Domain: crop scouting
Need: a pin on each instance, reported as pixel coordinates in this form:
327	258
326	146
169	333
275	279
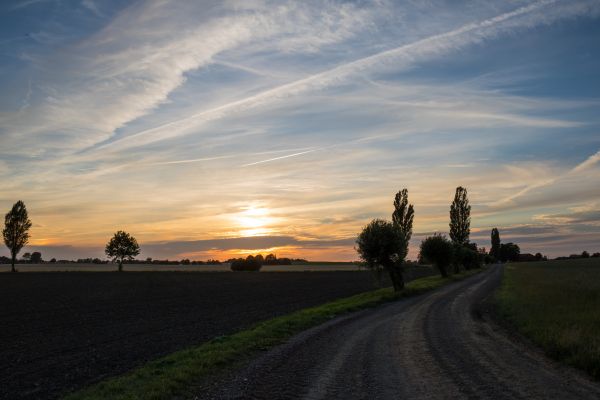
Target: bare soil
62	331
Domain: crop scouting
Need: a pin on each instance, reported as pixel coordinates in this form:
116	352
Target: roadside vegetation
176	374
383	245
557	305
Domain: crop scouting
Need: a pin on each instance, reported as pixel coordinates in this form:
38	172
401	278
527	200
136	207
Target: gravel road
435	346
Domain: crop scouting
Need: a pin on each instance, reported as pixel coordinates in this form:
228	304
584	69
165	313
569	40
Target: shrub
249	264
470	259
438	250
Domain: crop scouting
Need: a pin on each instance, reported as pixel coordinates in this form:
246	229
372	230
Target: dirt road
433	346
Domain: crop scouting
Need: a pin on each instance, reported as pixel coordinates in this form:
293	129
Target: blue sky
208	129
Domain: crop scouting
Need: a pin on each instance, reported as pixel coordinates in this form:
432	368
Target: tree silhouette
36	257
16	230
495	250
122	246
380	245
439	251
402	218
460	217
509	252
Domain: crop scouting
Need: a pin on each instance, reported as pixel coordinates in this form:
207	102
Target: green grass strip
174	374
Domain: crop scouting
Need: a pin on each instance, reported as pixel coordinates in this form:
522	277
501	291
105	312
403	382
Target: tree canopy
380	244
402	218
122	246
460	217
438	250
16	230
495	250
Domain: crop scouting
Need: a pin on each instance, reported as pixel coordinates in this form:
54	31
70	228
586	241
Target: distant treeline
36	258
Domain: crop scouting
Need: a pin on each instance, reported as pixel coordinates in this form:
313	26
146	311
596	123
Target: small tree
439	251
585	254
16	230
122	247
380	246
460	217
495	250
36	257
509	252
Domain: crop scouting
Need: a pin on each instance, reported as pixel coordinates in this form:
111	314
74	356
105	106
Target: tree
509	252
380	245
27	257
122	246
495	250
251	263
460	217
585	254
16	230
36	257
438	250
402	218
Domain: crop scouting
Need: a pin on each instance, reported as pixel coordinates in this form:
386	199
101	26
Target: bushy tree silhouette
438	250
16	230
380	245
122	246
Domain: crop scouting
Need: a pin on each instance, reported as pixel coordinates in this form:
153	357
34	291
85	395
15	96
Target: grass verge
172	375
556	304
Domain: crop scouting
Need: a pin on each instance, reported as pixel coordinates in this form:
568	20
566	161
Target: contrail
403	56
584	165
280	158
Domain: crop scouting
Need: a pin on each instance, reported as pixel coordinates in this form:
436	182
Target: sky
217	129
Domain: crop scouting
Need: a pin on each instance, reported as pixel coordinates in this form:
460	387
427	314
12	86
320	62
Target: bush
249	264
470	259
438	250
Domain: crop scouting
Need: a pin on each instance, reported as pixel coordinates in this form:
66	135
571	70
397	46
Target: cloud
130	67
91	5
401	57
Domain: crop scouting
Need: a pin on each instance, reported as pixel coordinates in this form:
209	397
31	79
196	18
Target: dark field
63	331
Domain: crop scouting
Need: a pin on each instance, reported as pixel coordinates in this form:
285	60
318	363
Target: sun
253	221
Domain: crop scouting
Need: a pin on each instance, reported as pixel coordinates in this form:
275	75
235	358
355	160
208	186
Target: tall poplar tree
495	250
460	217
402	218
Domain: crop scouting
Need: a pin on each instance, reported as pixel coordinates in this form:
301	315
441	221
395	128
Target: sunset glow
217	129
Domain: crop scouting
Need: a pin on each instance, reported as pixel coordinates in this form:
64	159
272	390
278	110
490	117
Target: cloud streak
402	57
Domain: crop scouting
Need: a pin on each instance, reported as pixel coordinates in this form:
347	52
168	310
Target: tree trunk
13	263
120	265
457	268
396	277
443	271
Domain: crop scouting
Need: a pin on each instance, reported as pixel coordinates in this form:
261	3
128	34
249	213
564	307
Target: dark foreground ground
63	331
440	345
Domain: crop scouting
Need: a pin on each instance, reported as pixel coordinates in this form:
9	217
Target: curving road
433	346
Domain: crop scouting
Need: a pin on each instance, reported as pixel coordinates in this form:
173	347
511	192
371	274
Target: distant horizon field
224	267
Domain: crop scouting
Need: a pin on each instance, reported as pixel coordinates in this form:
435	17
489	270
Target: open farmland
557	305
62	331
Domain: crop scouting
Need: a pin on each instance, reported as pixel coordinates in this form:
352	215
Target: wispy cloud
399	58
